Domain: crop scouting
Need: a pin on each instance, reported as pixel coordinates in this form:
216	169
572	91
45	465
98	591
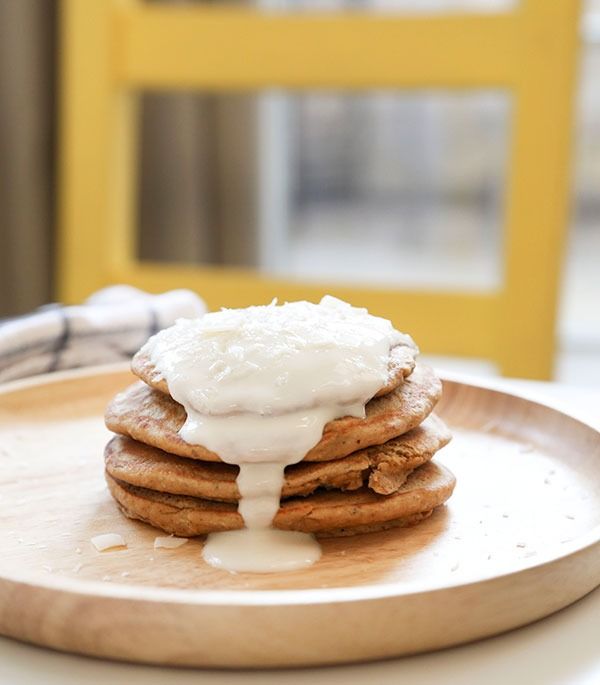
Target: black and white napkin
110	326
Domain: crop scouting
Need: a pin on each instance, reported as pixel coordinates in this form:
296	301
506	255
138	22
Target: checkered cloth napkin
110	326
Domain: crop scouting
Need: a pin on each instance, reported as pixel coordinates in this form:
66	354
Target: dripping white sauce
258	386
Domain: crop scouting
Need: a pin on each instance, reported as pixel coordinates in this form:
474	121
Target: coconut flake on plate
169	542
108	541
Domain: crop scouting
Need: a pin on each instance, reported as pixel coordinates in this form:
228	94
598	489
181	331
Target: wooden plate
519	539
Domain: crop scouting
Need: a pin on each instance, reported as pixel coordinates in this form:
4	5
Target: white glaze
260	489
258	386
250	438
261	550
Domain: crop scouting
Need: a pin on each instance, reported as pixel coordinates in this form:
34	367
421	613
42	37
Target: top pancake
155	419
400	366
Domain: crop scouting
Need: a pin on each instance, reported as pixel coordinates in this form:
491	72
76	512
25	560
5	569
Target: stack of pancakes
363	475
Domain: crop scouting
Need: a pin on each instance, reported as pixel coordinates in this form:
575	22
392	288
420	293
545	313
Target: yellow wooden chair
112	49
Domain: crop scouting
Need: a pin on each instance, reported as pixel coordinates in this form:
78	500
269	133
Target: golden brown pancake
155	419
332	512
393	462
401	522
383	468
400	366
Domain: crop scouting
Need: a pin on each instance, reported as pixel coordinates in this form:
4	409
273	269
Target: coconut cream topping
258	386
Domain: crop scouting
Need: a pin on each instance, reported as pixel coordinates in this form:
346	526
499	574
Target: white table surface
561	649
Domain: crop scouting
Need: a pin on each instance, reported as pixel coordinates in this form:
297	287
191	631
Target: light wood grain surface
518	540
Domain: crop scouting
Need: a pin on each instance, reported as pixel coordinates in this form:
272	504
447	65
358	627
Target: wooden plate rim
265	598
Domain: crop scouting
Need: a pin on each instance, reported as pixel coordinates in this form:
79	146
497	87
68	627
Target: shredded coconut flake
108	541
169	542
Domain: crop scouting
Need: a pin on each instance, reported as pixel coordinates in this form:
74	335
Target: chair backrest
113	49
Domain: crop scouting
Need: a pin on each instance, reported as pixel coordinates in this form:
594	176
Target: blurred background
379	188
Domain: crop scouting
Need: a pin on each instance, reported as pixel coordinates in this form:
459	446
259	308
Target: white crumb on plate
169	542
108	541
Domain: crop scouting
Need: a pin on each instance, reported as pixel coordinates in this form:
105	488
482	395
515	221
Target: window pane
395	188
379	187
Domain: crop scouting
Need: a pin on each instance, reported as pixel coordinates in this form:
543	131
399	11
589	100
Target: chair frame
113	49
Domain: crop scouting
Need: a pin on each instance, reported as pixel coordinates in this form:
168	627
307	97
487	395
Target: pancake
383	468
154	418
400	366
402	522
330	512
392	463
